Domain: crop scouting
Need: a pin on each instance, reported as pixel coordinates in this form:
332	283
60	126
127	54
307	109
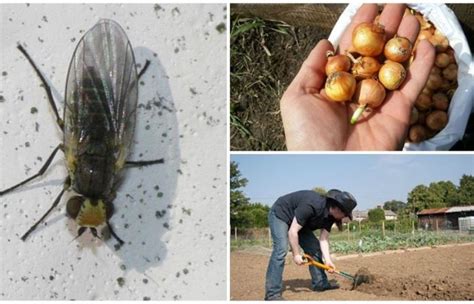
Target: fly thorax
92	213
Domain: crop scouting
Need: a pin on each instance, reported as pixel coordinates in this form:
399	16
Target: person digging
292	220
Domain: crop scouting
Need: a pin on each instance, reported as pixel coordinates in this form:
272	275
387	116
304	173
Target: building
390	215
360	215
443	218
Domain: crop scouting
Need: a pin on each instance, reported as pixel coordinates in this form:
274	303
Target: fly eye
74	206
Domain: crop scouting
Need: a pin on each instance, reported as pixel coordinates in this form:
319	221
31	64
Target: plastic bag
461	103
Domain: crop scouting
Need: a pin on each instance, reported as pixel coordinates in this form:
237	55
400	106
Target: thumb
311	76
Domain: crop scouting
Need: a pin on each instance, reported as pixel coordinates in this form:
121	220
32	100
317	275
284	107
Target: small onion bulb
337	63
368	39
369	93
398	49
392	74
340	86
365	67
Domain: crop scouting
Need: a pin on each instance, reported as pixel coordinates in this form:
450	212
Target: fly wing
101	93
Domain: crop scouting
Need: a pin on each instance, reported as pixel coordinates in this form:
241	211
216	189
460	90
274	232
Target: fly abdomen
94	175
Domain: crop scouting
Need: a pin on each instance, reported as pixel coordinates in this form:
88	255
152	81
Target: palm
313	123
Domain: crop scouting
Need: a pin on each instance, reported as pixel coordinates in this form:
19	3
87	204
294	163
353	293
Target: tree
421	197
447	193
466	190
376	215
320	190
394	205
238	201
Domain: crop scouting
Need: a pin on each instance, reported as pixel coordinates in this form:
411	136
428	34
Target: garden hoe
362	275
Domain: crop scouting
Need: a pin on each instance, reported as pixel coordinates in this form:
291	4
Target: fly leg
143	70
46	86
67	184
114	234
142	163
40	172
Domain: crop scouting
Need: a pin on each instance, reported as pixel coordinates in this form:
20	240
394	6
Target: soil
264	60
439	273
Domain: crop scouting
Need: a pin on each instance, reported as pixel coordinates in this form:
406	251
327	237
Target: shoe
275	298
331	285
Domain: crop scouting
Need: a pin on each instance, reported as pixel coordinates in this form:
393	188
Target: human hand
298	259
311	122
330	264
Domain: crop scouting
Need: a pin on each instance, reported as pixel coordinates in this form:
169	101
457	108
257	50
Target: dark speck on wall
221	27
4	73
45	19
27	144
51	277
73	39
2	99
175	11
145	281
146	298
121	281
193	91
33	110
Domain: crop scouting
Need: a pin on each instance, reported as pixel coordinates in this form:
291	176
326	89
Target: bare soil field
439	273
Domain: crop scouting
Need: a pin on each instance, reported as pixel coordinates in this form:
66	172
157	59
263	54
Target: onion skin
340	86
440	101
365	67
338	63
423	102
437	120
398	49
450	72
442	60
392	74
434	82
440	42
417	133
368	39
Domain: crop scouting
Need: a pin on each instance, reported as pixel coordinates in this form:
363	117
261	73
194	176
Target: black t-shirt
307	206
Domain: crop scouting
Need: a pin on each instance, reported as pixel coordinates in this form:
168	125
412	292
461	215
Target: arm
294	241
324	243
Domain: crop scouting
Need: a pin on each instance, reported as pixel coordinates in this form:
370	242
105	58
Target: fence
366	236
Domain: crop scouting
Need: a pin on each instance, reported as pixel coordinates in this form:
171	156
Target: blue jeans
309	243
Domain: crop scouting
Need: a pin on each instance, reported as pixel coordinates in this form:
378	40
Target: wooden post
436	225
360	228
235	233
412	227
395	227
348	232
383	229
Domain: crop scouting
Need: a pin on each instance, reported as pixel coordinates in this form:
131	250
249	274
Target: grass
256	50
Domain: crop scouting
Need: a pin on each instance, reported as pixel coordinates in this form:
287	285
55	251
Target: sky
372	178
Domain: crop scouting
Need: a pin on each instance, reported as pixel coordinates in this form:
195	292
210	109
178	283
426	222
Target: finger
419	71
409	28
311	76
391	17
366	13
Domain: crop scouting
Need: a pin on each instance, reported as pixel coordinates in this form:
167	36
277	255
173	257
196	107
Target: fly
98	124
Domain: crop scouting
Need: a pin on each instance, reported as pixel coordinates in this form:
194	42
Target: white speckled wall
171	216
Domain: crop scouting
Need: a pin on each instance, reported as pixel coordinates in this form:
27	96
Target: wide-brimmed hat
344	200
